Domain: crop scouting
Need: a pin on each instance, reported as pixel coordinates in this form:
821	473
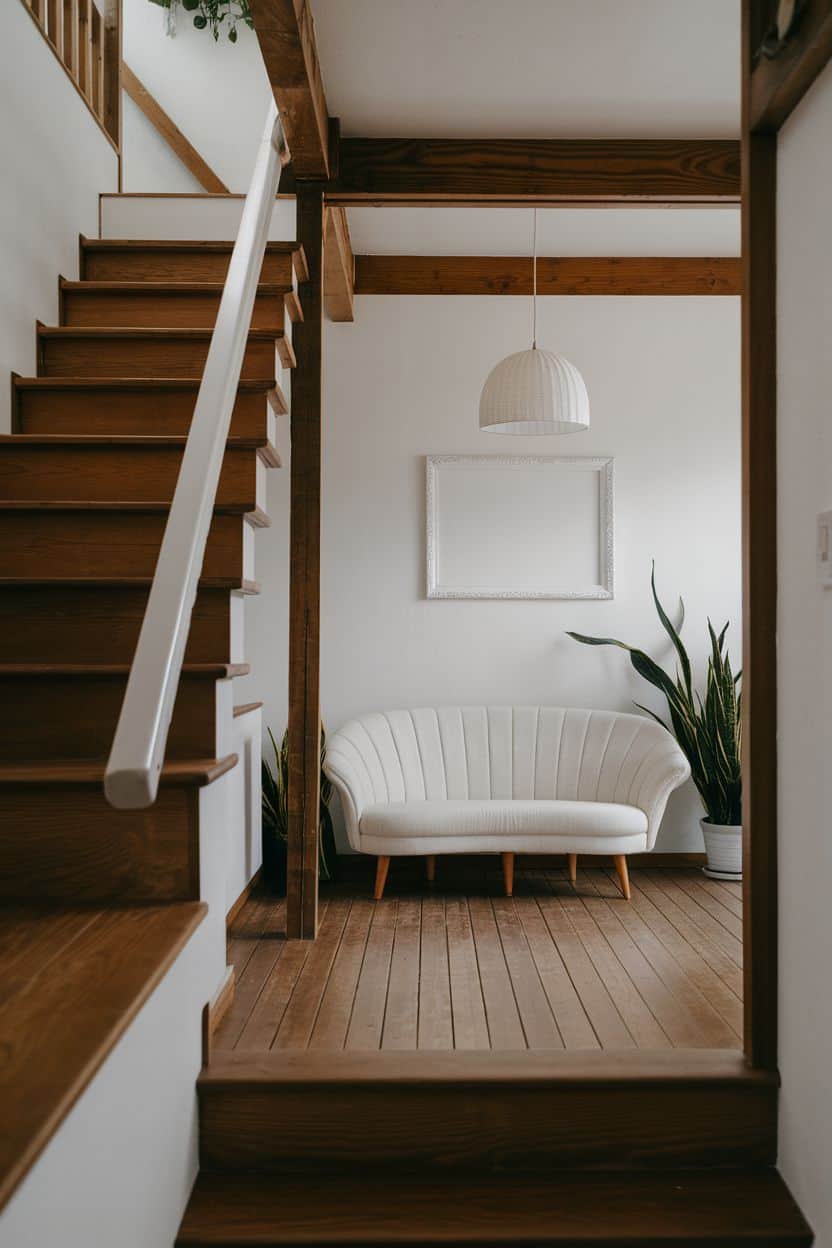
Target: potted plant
210	15
708	730
276	817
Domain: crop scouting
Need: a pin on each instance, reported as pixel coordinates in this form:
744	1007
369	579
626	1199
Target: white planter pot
723	845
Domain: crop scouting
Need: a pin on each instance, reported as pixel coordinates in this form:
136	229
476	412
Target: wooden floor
459	966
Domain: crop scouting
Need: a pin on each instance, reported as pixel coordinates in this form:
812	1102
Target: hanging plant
213	15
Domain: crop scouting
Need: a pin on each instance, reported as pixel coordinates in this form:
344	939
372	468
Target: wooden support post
112	70
304	584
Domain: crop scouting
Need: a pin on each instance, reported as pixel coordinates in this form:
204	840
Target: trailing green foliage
211	14
708	730
276	808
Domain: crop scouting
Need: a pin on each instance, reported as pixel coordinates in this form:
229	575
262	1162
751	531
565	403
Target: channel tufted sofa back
503	753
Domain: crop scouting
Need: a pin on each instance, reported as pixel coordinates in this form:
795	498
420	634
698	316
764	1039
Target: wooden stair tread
197	772
73	980
246	708
116	439
215	671
524	1068
269	388
721	1208
132	332
224	246
232	583
256	516
159	287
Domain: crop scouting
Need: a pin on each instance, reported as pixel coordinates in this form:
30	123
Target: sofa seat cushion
399	827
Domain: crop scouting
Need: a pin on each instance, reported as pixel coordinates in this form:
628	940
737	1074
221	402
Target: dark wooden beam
339	267
779	83
170	132
305	585
591	171
759	543
573	275
286	35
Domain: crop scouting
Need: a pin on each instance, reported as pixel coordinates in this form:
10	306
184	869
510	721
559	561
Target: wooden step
724	1209
182	304
72	982
302	1111
91	622
70	712
75	469
127	260
58	543
77	352
140	407
246	708
62	842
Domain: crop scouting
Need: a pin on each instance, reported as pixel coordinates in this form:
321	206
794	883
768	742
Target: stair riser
170	310
145	357
65	843
504	1127
101	625
129	474
146	413
149	265
65	545
66	717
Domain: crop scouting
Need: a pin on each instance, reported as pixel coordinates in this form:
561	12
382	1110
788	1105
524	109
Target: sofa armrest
344	767
663	769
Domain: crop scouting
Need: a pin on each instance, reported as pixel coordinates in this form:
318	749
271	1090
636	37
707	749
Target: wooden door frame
771	89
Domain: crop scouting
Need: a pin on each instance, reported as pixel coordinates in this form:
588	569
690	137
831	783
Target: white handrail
135	763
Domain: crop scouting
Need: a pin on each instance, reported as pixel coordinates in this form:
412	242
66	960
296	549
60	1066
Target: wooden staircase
96	904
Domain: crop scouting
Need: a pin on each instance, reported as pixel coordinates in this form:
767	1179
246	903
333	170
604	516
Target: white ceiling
560	231
531	68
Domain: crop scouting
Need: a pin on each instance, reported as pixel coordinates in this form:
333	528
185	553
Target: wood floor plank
636	1013
435	1017
719	961
538	1021
297	1023
467	1005
367	1021
703	897
698	1023
571	1017
607	1023
269	1006
504	1027
728	893
250	982
401	1019
726	1004
700	916
332	1023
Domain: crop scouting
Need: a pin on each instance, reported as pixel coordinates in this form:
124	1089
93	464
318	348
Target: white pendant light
534	392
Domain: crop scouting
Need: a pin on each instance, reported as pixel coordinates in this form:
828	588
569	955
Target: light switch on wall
825	548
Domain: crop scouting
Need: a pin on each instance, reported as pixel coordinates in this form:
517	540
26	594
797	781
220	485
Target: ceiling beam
287	42
339	266
779	82
572	275
547	171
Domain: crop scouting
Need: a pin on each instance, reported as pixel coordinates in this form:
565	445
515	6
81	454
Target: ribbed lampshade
534	392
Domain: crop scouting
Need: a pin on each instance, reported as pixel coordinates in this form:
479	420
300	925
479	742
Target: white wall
55	160
217	93
403	381
804	313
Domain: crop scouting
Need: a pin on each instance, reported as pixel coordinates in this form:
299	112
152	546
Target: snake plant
276	806
708	729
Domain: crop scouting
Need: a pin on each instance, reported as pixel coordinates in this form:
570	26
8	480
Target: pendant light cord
534	282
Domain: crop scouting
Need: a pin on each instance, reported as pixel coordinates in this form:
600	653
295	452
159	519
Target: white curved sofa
502	779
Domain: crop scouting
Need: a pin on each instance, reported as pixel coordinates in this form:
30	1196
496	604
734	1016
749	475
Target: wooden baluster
70	48
55	25
97	93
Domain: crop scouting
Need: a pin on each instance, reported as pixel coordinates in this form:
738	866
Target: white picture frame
520	526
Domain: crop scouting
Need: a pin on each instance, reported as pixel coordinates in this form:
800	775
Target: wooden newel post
305	584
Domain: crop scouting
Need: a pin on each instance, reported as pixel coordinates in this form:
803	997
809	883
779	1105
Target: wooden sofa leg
623	875
508	873
573	868
430	868
382	865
